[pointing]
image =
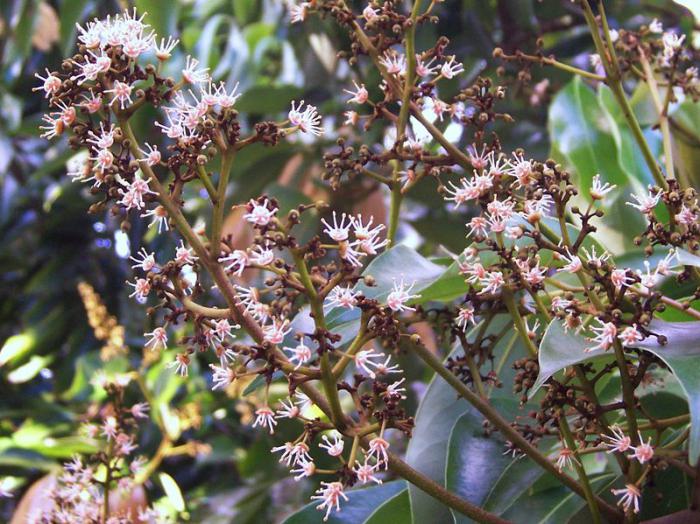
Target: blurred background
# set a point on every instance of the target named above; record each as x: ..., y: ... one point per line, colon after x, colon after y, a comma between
x: 64, y: 311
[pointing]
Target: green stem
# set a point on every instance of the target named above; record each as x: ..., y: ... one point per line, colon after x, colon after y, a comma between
x: 582, y: 476
x: 220, y: 203
x: 204, y: 177
x: 628, y: 398
x: 519, y: 323
x: 395, y: 207
x: 608, y: 58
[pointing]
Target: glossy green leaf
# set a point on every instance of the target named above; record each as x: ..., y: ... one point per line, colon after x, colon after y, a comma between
x: 268, y: 99
x: 475, y: 461
x: 580, y: 131
x: 435, y: 417
x: 71, y: 13
x: 396, y: 509
x: 559, y: 350
x: 681, y: 353
x: 555, y: 505
x: 162, y: 19
x: 359, y: 507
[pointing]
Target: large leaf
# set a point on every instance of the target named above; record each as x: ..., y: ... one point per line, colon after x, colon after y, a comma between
x: 436, y: 416
x: 580, y: 131
x: 395, y: 264
x: 681, y: 354
x: 359, y: 507
x: 559, y: 350
x: 475, y: 461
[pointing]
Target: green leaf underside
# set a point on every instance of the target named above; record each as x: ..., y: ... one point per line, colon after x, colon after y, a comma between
x: 559, y: 350
x: 681, y: 354
x: 362, y: 504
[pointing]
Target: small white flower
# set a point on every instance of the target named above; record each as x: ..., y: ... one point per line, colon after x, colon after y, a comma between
x: 359, y: 96
x: 618, y: 442
x: 631, y: 335
x: 378, y: 448
x: 307, y: 121
x: 599, y: 190
x: 655, y: 26
x: 398, y: 297
x: 339, y: 231
x: 451, y: 68
x: 329, y: 494
x: 343, y: 297
x: 629, y: 497
x: 645, y: 203
x: 158, y: 338
x: 260, y: 214
x: 222, y: 376
x: 301, y: 353
x: 193, y: 75
x: 605, y: 334
x: 275, y: 332
x: 333, y: 447
x: 265, y: 418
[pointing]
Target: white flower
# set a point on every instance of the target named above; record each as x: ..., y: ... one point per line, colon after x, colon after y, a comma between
x: 298, y: 12
x: 398, y: 297
x: 565, y: 458
x: 365, y: 473
x: 288, y: 409
x: 158, y: 338
x: 329, y: 494
x: 151, y: 155
x: 468, y: 190
x: 645, y: 203
x: 333, y: 447
x: 183, y: 255
x: 181, y: 364
x: 599, y: 190
x: 343, y: 297
x: 165, y: 48
x: 146, y: 263
x: 629, y: 497
x: 300, y: 354
x: 193, y: 75
x: 619, y: 278
x: 644, y: 452
x: 50, y: 83
x: 265, y: 418
x: 338, y: 231
x: 605, y: 334
x: 465, y: 316
x: 293, y: 454
x: 260, y: 214
x: 307, y: 121
x: 631, y: 335
x: 618, y: 442
x: 222, y: 376
x: 363, y: 360
x: 235, y: 261
x: 304, y: 469
x: 491, y: 283
x: 655, y: 26
x: 394, y: 63
x: 160, y: 217
x: 378, y: 448
x: 275, y: 332
x: 451, y: 68
x: 383, y: 368
x: 359, y: 96
x: 121, y: 92
x: 142, y: 287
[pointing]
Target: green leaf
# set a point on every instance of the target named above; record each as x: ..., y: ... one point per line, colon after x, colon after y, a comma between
x: 172, y: 491
x: 446, y: 288
x: 268, y: 99
x: 555, y: 505
x: 580, y: 131
x: 688, y: 259
x: 475, y: 462
x: 163, y: 19
x: 681, y: 354
x: 71, y: 13
x: 559, y: 350
x: 396, y: 509
x: 435, y: 417
x: 395, y: 264
x: 31, y: 369
x: 245, y: 10
x: 16, y: 347
x: 357, y: 509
